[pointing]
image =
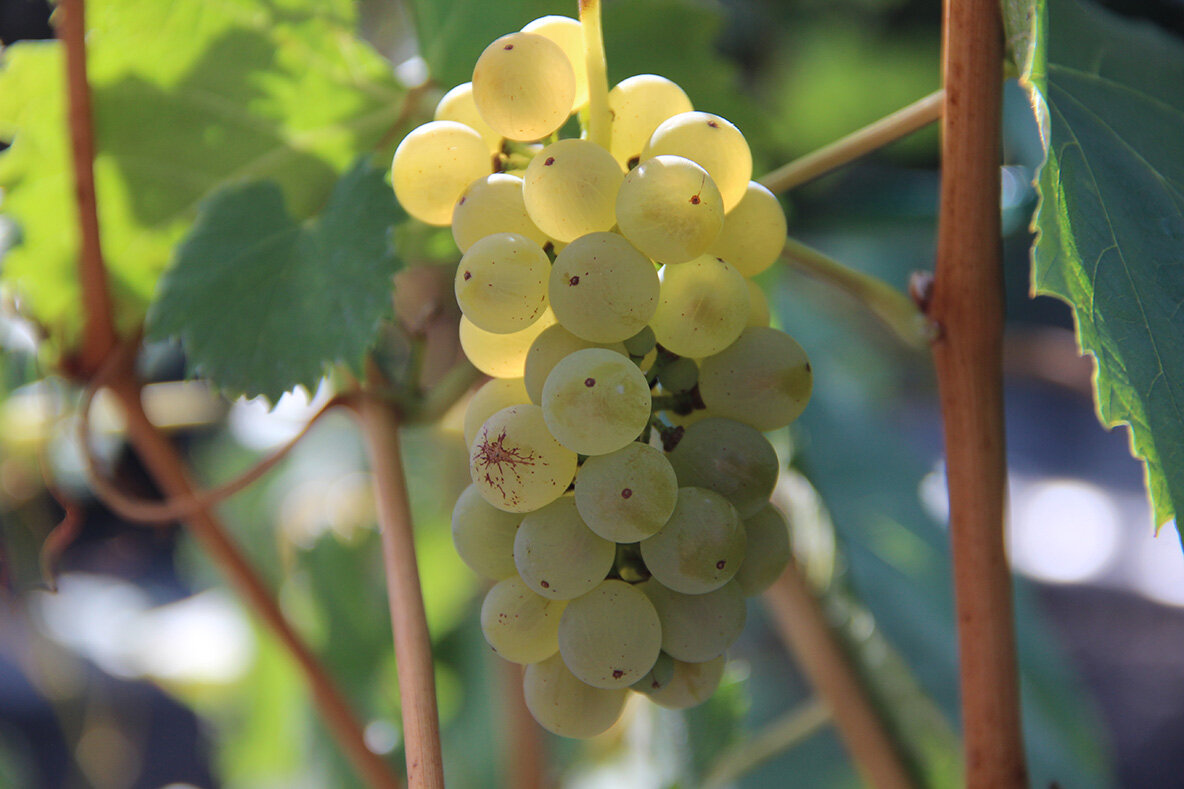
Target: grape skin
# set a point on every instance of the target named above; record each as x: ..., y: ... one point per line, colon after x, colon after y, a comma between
x: 639, y: 104
x: 564, y: 705
x: 520, y: 625
x: 699, y: 627
x: 730, y: 458
x: 627, y: 495
x: 702, y: 309
x: 569, y: 36
x: 689, y: 684
x: 516, y: 463
x: 492, y: 204
x: 767, y: 553
x: 556, y: 553
x: 570, y: 189
x: 670, y: 209
x: 484, y: 535
x: 501, y: 283
x: 458, y: 105
x: 712, y: 142
x: 501, y: 355
x: 523, y: 86
x: 753, y: 233
x: 492, y: 397
x: 610, y: 637
x: 702, y: 545
x: 553, y: 345
x: 433, y: 165
x: 596, y: 401
x: 763, y: 379
x: 602, y: 289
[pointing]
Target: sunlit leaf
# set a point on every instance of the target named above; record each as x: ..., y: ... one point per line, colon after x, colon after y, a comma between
x: 188, y: 95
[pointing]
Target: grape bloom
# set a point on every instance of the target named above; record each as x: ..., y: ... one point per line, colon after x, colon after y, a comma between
x: 621, y: 476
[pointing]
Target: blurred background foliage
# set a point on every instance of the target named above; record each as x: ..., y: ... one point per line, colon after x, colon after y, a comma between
x: 144, y: 671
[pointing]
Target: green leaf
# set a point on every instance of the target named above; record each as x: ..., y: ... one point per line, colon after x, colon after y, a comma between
x: 1111, y: 219
x: 263, y: 303
x: 188, y: 95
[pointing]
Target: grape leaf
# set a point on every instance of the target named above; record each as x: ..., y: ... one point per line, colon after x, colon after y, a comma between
x: 262, y: 302
x: 188, y: 95
x: 1110, y: 224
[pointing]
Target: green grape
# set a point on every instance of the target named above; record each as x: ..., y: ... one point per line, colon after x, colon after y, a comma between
x: 639, y: 104
x: 767, y: 554
x: 458, y: 105
x: 700, y: 548
x: 570, y: 189
x: 564, y: 705
x: 670, y: 209
x: 729, y: 457
x: 657, y: 677
x: 689, y: 684
x: 501, y: 355
x: 697, y: 627
x: 501, y: 283
x: 492, y: 204
x: 610, y: 637
x: 596, y: 401
x: 548, y: 349
x: 758, y: 305
x: 516, y: 463
x: 492, y: 397
x: 520, y: 626
x: 679, y: 375
x: 702, y: 309
x: 627, y: 495
x: 712, y: 142
x: 763, y: 379
x: 484, y: 535
x: 557, y: 555
x: 523, y: 86
x: 569, y: 36
x: 642, y: 343
x: 754, y: 232
x: 602, y: 289
x: 432, y: 167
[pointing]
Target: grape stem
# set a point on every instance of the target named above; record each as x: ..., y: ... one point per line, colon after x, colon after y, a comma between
x: 599, y: 116
x: 967, y: 303
x: 380, y: 422
x: 894, y: 308
x: 859, y: 143
x: 799, y: 619
x: 785, y: 732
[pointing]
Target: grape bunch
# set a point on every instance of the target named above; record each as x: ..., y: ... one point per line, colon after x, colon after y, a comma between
x: 621, y: 478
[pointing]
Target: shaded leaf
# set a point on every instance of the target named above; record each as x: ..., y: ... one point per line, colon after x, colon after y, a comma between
x: 263, y: 303
x: 1109, y: 94
x: 188, y: 95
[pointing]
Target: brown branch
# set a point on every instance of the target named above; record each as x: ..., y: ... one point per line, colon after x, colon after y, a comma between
x: 859, y: 143
x: 175, y: 508
x: 166, y: 467
x: 523, y: 746
x: 808, y: 636
x: 967, y: 305
x: 379, y: 421
x: 99, y: 336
